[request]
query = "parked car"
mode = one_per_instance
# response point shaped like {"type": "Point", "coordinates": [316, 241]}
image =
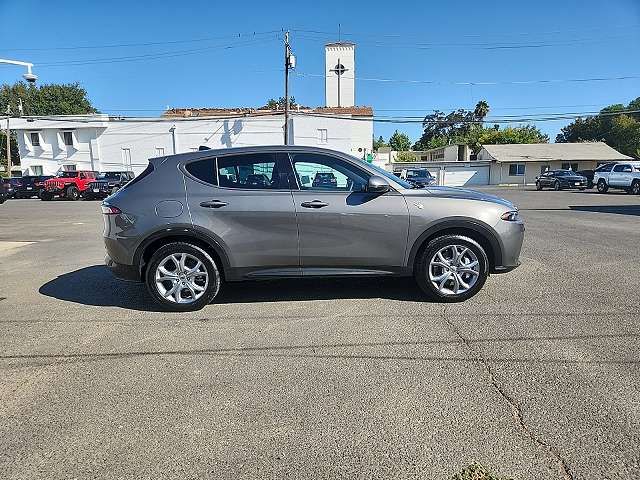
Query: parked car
{"type": "Point", "coordinates": [175, 229]}
{"type": "Point", "coordinates": [325, 179]}
{"type": "Point", "coordinates": [560, 179]}
{"type": "Point", "coordinates": [588, 174]}
{"type": "Point", "coordinates": [10, 185]}
{"type": "Point", "coordinates": [106, 183]}
{"type": "Point", "coordinates": [622, 175]}
{"type": "Point", "coordinates": [30, 186]}
{"type": "Point", "coordinates": [68, 184]}
{"type": "Point", "coordinates": [3, 191]}
{"type": "Point", "coordinates": [420, 177]}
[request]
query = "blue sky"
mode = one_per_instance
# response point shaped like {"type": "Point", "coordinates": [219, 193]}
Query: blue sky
{"type": "Point", "coordinates": [207, 53]}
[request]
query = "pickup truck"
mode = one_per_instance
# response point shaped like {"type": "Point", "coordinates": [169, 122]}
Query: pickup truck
{"type": "Point", "coordinates": [622, 175]}
{"type": "Point", "coordinates": [67, 184]}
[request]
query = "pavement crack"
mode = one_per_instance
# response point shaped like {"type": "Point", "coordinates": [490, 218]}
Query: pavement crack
{"type": "Point", "coordinates": [516, 410]}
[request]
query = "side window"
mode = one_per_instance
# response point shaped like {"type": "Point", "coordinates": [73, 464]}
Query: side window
{"type": "Point", "coordinates": [204, 170]}
{"type": "Point", "coordinates": [257, 171]}
{"type": "Point", "coordinates": [621, 168]}
{"type": "Point", "coordinates": [326, 173]}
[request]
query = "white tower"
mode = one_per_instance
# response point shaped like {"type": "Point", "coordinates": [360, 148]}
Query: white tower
{"type": "Point", "coordinates": [340, 71]}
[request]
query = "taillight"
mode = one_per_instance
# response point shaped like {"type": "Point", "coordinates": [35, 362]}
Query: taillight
{"type": "Point", "coordinates": [110, 209]}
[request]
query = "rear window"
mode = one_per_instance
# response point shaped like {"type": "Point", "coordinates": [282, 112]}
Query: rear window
{"type": "Point", "coordinates": [204, 170]}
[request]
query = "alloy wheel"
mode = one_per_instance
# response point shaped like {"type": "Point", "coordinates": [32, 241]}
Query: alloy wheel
{"type": "Point", "coordinates": [181, 278]}
{"type": "Point", "coordinates": [454, 270]}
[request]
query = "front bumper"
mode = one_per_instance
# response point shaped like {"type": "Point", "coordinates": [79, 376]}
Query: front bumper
{"type": "Point", "coordinates": [123, 272]}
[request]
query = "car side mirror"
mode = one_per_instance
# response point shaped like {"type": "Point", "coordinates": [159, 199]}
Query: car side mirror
{"type": "Point", "coordinates": [377, 184]}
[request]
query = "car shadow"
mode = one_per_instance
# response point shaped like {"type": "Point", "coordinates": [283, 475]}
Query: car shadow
{"type": "Point", "coordinates": [617, 209]}
{"type": "Point", "coordinates": [96, 286]}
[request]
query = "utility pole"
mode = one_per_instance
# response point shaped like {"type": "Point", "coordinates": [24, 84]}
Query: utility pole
{"type": "Point", "coordinates": [289, 64]}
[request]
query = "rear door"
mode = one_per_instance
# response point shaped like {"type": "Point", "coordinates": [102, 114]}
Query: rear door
{"type": "Point", "coordinates": [245, 202]}
{"type": "Point", "coordinates": [340, 226]}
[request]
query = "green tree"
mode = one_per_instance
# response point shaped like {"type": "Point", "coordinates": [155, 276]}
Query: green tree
{"type": "Point", "coordinates": [481, 110]}
{"type": "Point", "coordinates": [617, 125]}
{"type": "Point", "coordinates": [379, 143]}
{"type": "Point", "coordinates": [399, 142]}
{"type": "Point", "coordinates": [404, 156]}
{"type": "Point", "coordinates": [273, 104]}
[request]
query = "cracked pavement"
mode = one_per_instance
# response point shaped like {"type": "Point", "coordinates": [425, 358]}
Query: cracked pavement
{"type": "Point", "coordinates": [324, 379]}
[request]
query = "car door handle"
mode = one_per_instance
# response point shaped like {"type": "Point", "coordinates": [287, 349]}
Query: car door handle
{"type": "Point", "coordinates": [213, 204]}
{"type": "Point", "coordinates": [314, 204]}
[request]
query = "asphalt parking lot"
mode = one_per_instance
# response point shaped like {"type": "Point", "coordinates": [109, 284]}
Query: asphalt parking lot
{"type": "Point", "coordinates": [538, 376]}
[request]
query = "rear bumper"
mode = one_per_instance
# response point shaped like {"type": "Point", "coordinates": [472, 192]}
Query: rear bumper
{"type": "Point", "coordinates": [123, 272]}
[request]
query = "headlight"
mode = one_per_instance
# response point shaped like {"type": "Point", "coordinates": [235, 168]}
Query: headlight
{"type": "Point", "coordinates": [511, 216]}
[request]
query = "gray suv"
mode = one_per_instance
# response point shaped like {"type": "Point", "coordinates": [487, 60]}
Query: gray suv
{"type": "Point", "coordinates": [193, 220]}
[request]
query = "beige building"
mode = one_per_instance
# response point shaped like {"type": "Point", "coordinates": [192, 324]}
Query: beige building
{"type": "Point", "coordinates": [522, 163]}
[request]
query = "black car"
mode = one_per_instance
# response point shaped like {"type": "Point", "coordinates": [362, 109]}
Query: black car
{"type": "Point", "coordinates": [588, 174]}
{"type": "Point", "coordinates": [10, 185]}
{"type": "Point", "coordinates": [420, 177]}
{"type": "Point", "coordinates": [325, 179]}
{"type": "Point", "coordinates": [3, 191]}
{"type": "Point", "coordinates": [29, 186]}
{"type": "Point", "coordinates": [107, 183]}
{"type": "Point", "coordinates": [560, 179]}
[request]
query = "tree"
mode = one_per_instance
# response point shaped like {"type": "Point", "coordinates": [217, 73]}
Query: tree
{"type": "Point", "coordinates": [617, 129]}
{"type": "Point", "coordinates": [481, 110]}
{"type": "Point", "coordinates": [379, 143]}
{"type": "Point", "coordinates": [399, 142]}
{"type": "Point", "coordinates": [273, 104]}
{"type": "Point", "coordinates": [406, 157]}
{"type": "Point", "coordinates": [48, 99]}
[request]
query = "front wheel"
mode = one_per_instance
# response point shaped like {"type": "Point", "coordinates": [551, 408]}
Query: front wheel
{"type": "Point", "coordinates": [452, 268]}
{"type": "Point", "coordinates": [72, 193]}
{"type": "Point", "coordinates": [46, 196]}
{"type": "Point", "coordinates": [556, 185]}
{"type": "Point", "coordinates": [602, 186]}
{"type": "Point", "coordinates": [538, 186]}
{"type": "Point", "coordinates": [182, 277]}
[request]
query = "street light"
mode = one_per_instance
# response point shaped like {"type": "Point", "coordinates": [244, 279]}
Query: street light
{"type": "Point", "coordinates": [31, 78]}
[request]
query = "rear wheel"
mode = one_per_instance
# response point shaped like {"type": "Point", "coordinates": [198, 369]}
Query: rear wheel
{"type": "Point", "coordinates": [451, 268]}
{"type": "Point", "coordinates": [182, 277]}
{"type": "Point", "coordinates": [72, 193]}
{"type": "Point", "coordinates": [635, 187]}
{"type": "Point", "coordinates": [602, 186]}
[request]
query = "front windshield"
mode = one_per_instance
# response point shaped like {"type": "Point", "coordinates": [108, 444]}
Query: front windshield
{"type": "Point", "coordinates": [422, 173]}
{"type": "Point", "coordinates": [564, 173]}
{"type": "Point", "coordinates": [109, 176]}
{"type": "Point", "coordinates": [67, 174]}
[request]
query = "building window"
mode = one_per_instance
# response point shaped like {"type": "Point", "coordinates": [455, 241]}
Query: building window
{"type": "Point", "coordinates": [159, 151]}
{"type": "Point", "coordinates": [437, 155]}
{"type": "Point", "coordinates": [35, 139]}
{"type": "Point", "coordinates": [36, 169]}
{"type": "Point", "coordinates": [69, 168]}
{"type": "Point", "coordinates": [516, 169]}
{"type": "Point", "coordinates": [322, 136]}
{"type": "Point", "coordinates": [544, 168]}
{"type": "Point", "coordinates": [570, 166]}
{"type": "Point", "coordinates": [68, 138]}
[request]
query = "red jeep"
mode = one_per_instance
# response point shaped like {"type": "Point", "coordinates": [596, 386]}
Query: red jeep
{"type": "Point", "coordinates": [68, 184]}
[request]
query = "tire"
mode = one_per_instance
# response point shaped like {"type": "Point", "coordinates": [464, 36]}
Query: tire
{"type": "Point", "coordinates": [602, 186]}
{"type": "Point", "coordinates": [556, 186]}
{"type": "Point", "coordinates": [635, 187]}
{"type": "Point", "coordinates": [194, 255]}
{"type": "Point", "coordinates": [72, 193]}
{"type": "Point", "coordinates": [538, 186]}
{"type": "Point", "coordinates": [46, 196]}
{"type": "Point", "coordinates": [426, 272]}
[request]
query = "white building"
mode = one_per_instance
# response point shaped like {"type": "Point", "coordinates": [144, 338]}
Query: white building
{"type": "Point", "coordinates": [108, 143]}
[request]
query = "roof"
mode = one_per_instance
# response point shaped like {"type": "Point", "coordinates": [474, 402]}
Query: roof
{"type": "Point", "coordinates": [545, 152]}
{"type": "Point", "coordinates": [340, 44]}
{"type": "Point", "coordinates": [243, 111]}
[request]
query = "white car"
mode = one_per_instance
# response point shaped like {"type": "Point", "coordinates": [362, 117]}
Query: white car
{"type": "Point", "coordinates": [622, 175]}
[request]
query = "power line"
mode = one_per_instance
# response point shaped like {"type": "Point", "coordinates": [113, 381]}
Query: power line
{"type": "Point", "coordinates": [152, 56]}
{"type": "Point", "coordinates": [479, 83]}
{"type": "Point", "coordinates": [144, 44]}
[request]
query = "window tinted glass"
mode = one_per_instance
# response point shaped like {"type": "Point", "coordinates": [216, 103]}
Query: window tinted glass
{"type": "Point", "coordinates": [322, 172]}
{"type": "Point", "coordinates": [204, 170]}
{"type": "Point", "coordinates": [619, 168]}
{"type": "Point", "coordinates": [251, 171]}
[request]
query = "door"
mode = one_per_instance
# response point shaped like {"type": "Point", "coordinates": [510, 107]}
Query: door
{"type": "Point", "coordinates": [619, 175]}
{"type": "Point", "coordinates": [245, 202]}
{"type": "Point", "coordinates": [340, 225]}
{"type": "Point", "coordinates": [458, 176]}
